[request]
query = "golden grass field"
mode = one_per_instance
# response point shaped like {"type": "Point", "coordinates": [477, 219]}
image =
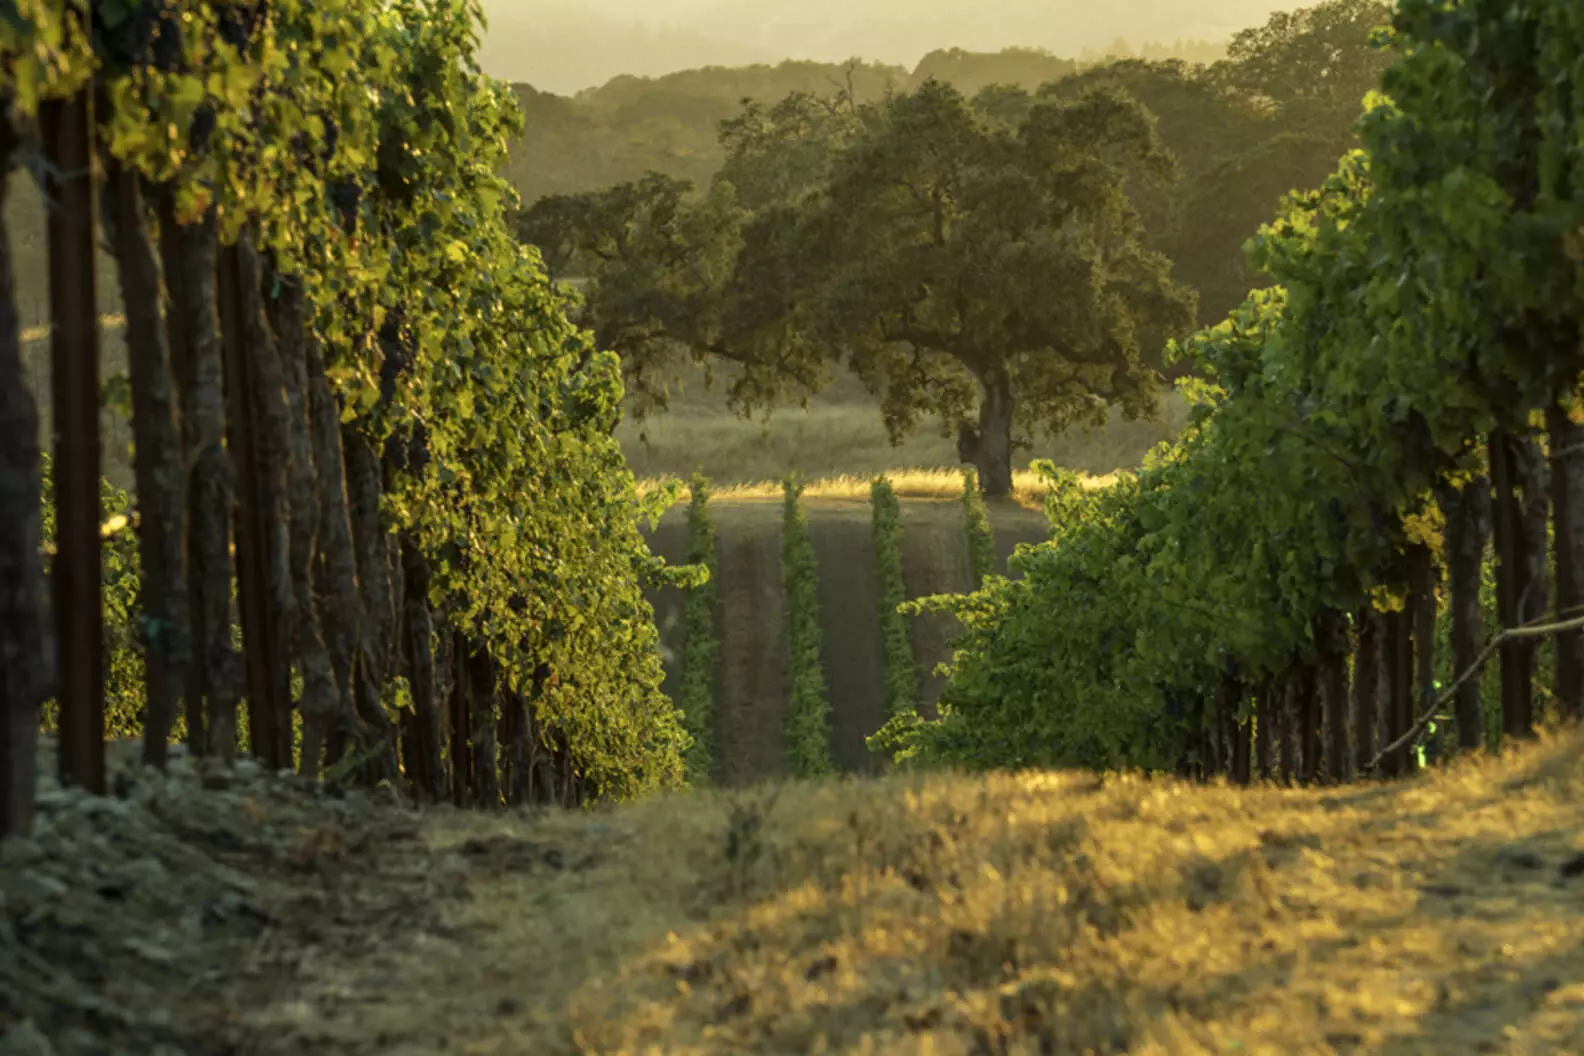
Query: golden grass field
{"type": "Point", "coordinates": [841, 439]}
{"type": "Point", "coordinates": [1028, 488]}
{"type": "Point", "coordinates": [1013, 913]}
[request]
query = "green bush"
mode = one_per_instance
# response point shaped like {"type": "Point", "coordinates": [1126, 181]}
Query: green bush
{"type": "Point", "coordinates": [700, 645]}
{"type": "Point", "coordinates": [902, 675]}
{"type": "Point", "coordinates": [808, 711]}
{"type": "Point", "coordinates": [1047, 671]}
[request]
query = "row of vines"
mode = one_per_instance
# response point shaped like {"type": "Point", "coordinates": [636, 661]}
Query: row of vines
{"type": "Point", "coordinates": [382, 528]}
{"type": "Point", "coordinates": [807, 726]}
{"type": "Point", "coordinates": [1381, 489]}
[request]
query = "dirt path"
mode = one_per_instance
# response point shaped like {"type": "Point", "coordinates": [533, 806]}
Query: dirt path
{"type": "Point", "coordinates": [1055, 913]}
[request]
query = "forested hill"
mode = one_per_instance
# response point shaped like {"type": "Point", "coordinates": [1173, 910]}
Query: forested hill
{"type": "Point", "coordinates": [632, 124]}
{"type": "Point", "coordinates": [566, 46]}
{"type": "Point", "coordinates": [1274, 115]}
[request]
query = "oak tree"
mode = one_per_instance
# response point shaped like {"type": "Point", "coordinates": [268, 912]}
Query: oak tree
{"type": "Point", "coordinates": [981, 261]}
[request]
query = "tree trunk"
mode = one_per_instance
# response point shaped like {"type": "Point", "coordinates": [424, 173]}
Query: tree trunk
{"type": "Point", "coordinates": [1242, 751]}
{"type": "Point", "coordinates": [370, 544]}
{"type": "Point", "coordinates": [1214, 751]}
{"type": "Point", "coordinates": [483, 680]}
{"type": "Point", "coordinates": [1398, 666]}
{"type": "Point", "coordinates": [460, 700]}
{"type": "Point", "coordinates": [1309, 718]}
{"type": "Point", "coordinates": [421, 674]}
{"type": "Point", "coordinates": [994, 447]}
{"type": "Point", "coordinates": [1533, 476]}
{"type": "Point", "coordinates": [320, 695]}
{"type": "Point", "coordinates": [506, 736]}
{"type": "Point", "coordinates": [1366, 685]}
{"type": "Point", "coordinates": [268, 673]}
{"type": "Point", "coordinates": [1287, 724]}
{"type": "Point", "coordinates": [26, 648]}
{"type": "Point", "coordinates": [273, 450]}
{"type": "Point", "coordinates": [191, 260]}
{"type": "Point", "coordinates": [1517, 656]}
{"type": "Point", "coordinates": [179, 343]}
{"type": "Point", "coordinates": [341, 607]}
{"type": "Point", "coordinates": [160, 464]}
{"type": "Point", "coordinates": [1233, 693]}
{"type": "Point", "coordinates": [1423, 616]}
{"type": "Point", "coordinates": [68, 134]}
{"type": "Point", "coordinates": [1566, 441]}
{"type": "Point", "coordinates": [1265, 729]}
{"type": "Point", "coordinates": [517, 735]}
{"type": "Point", "coordinates": [1467, 513]}
{"type": "Point", "coordinates": [1333, 691]}
{"type": "Point", "coordinates": [543, 779]}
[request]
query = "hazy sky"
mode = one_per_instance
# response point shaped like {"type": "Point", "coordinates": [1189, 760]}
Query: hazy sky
{"type": "Point", "coordinates": [567, 45]}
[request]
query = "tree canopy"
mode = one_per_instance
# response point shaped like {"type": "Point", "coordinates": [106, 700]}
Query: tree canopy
{"type": "Point", "coordinates": [979, 261]}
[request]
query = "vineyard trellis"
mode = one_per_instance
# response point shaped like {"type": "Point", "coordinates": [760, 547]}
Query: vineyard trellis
{"type": "Point", "coordinates": [1273, 584]}
{"type": "Point", "coordinates": [366, 435]}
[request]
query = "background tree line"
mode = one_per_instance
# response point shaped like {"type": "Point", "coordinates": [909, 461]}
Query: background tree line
{"type": "Point", "coordinates": [1000, 258]}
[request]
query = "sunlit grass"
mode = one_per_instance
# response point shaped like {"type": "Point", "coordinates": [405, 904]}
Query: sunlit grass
{"type": "Point", "coordinates": [1028, 487]}
{"type": "Point", "coordinates": [841, 434]}
{"type": "Point", "coordinates": [1054, 912]}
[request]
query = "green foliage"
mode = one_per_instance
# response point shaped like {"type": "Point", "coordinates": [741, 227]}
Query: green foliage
{"type": "Point", "coordinates": [1311, 66]}
{"type": "Point", "coordinates": [652, 260]}
{"type": "Point", "coordinates": [807, 723]}
{"type": "Point", "coordinates": [921, 258]}
{"type": "Point", "coordinates": [1046, 673]}
{"type": "Point", "coordinates": [44, 53]}
{"type": "Point", "coordinates": [700, 643]}
{"type": "Point", "coordinates": [917, 238]}
{"type": "Point", "coordinates": [902, 674]}
{"type": "Point", "coordinates": [358, 145]}
{"type": "Point", "coordinates": [121, 569]}
{"type": "Point", "coordinates": [1333, 405]}
{"type": "Point", "coordinates": [981, 534]}
{"type": "Point", "coordinates": [1271, 116]}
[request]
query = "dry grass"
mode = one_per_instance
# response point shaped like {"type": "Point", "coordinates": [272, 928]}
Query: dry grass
{"type": "Point", "coordinates": [1028, 488]}
{"type": "Point", "coordinates": [841, 434]}
{"type": "Point", "coordinates": [108, 324]}
{"type": "Point", "coordinates": [1043, 912]}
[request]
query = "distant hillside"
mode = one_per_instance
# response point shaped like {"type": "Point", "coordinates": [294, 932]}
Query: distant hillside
{"type": "Point", "coordinates": [631, 124]}
{"type": "Point", "coordinates": [565, 46]}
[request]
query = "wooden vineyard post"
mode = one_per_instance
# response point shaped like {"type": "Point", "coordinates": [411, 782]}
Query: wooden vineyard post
{"type": "Point", "coordinates": [25, 650]}
{"type": "Point", "coordinates": [68, 135]}
{"type": "Point", "coordinates": [262, 653]}
{"type": "Point", "coordinates": [1507, 530]}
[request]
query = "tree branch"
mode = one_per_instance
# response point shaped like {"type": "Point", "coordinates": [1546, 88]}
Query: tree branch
{"type": "Point", "coordinates": [1532, 630]}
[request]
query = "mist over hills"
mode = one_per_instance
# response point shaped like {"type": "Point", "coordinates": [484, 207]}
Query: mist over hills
{"type": "Point", "coordinates": [566, 46]}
